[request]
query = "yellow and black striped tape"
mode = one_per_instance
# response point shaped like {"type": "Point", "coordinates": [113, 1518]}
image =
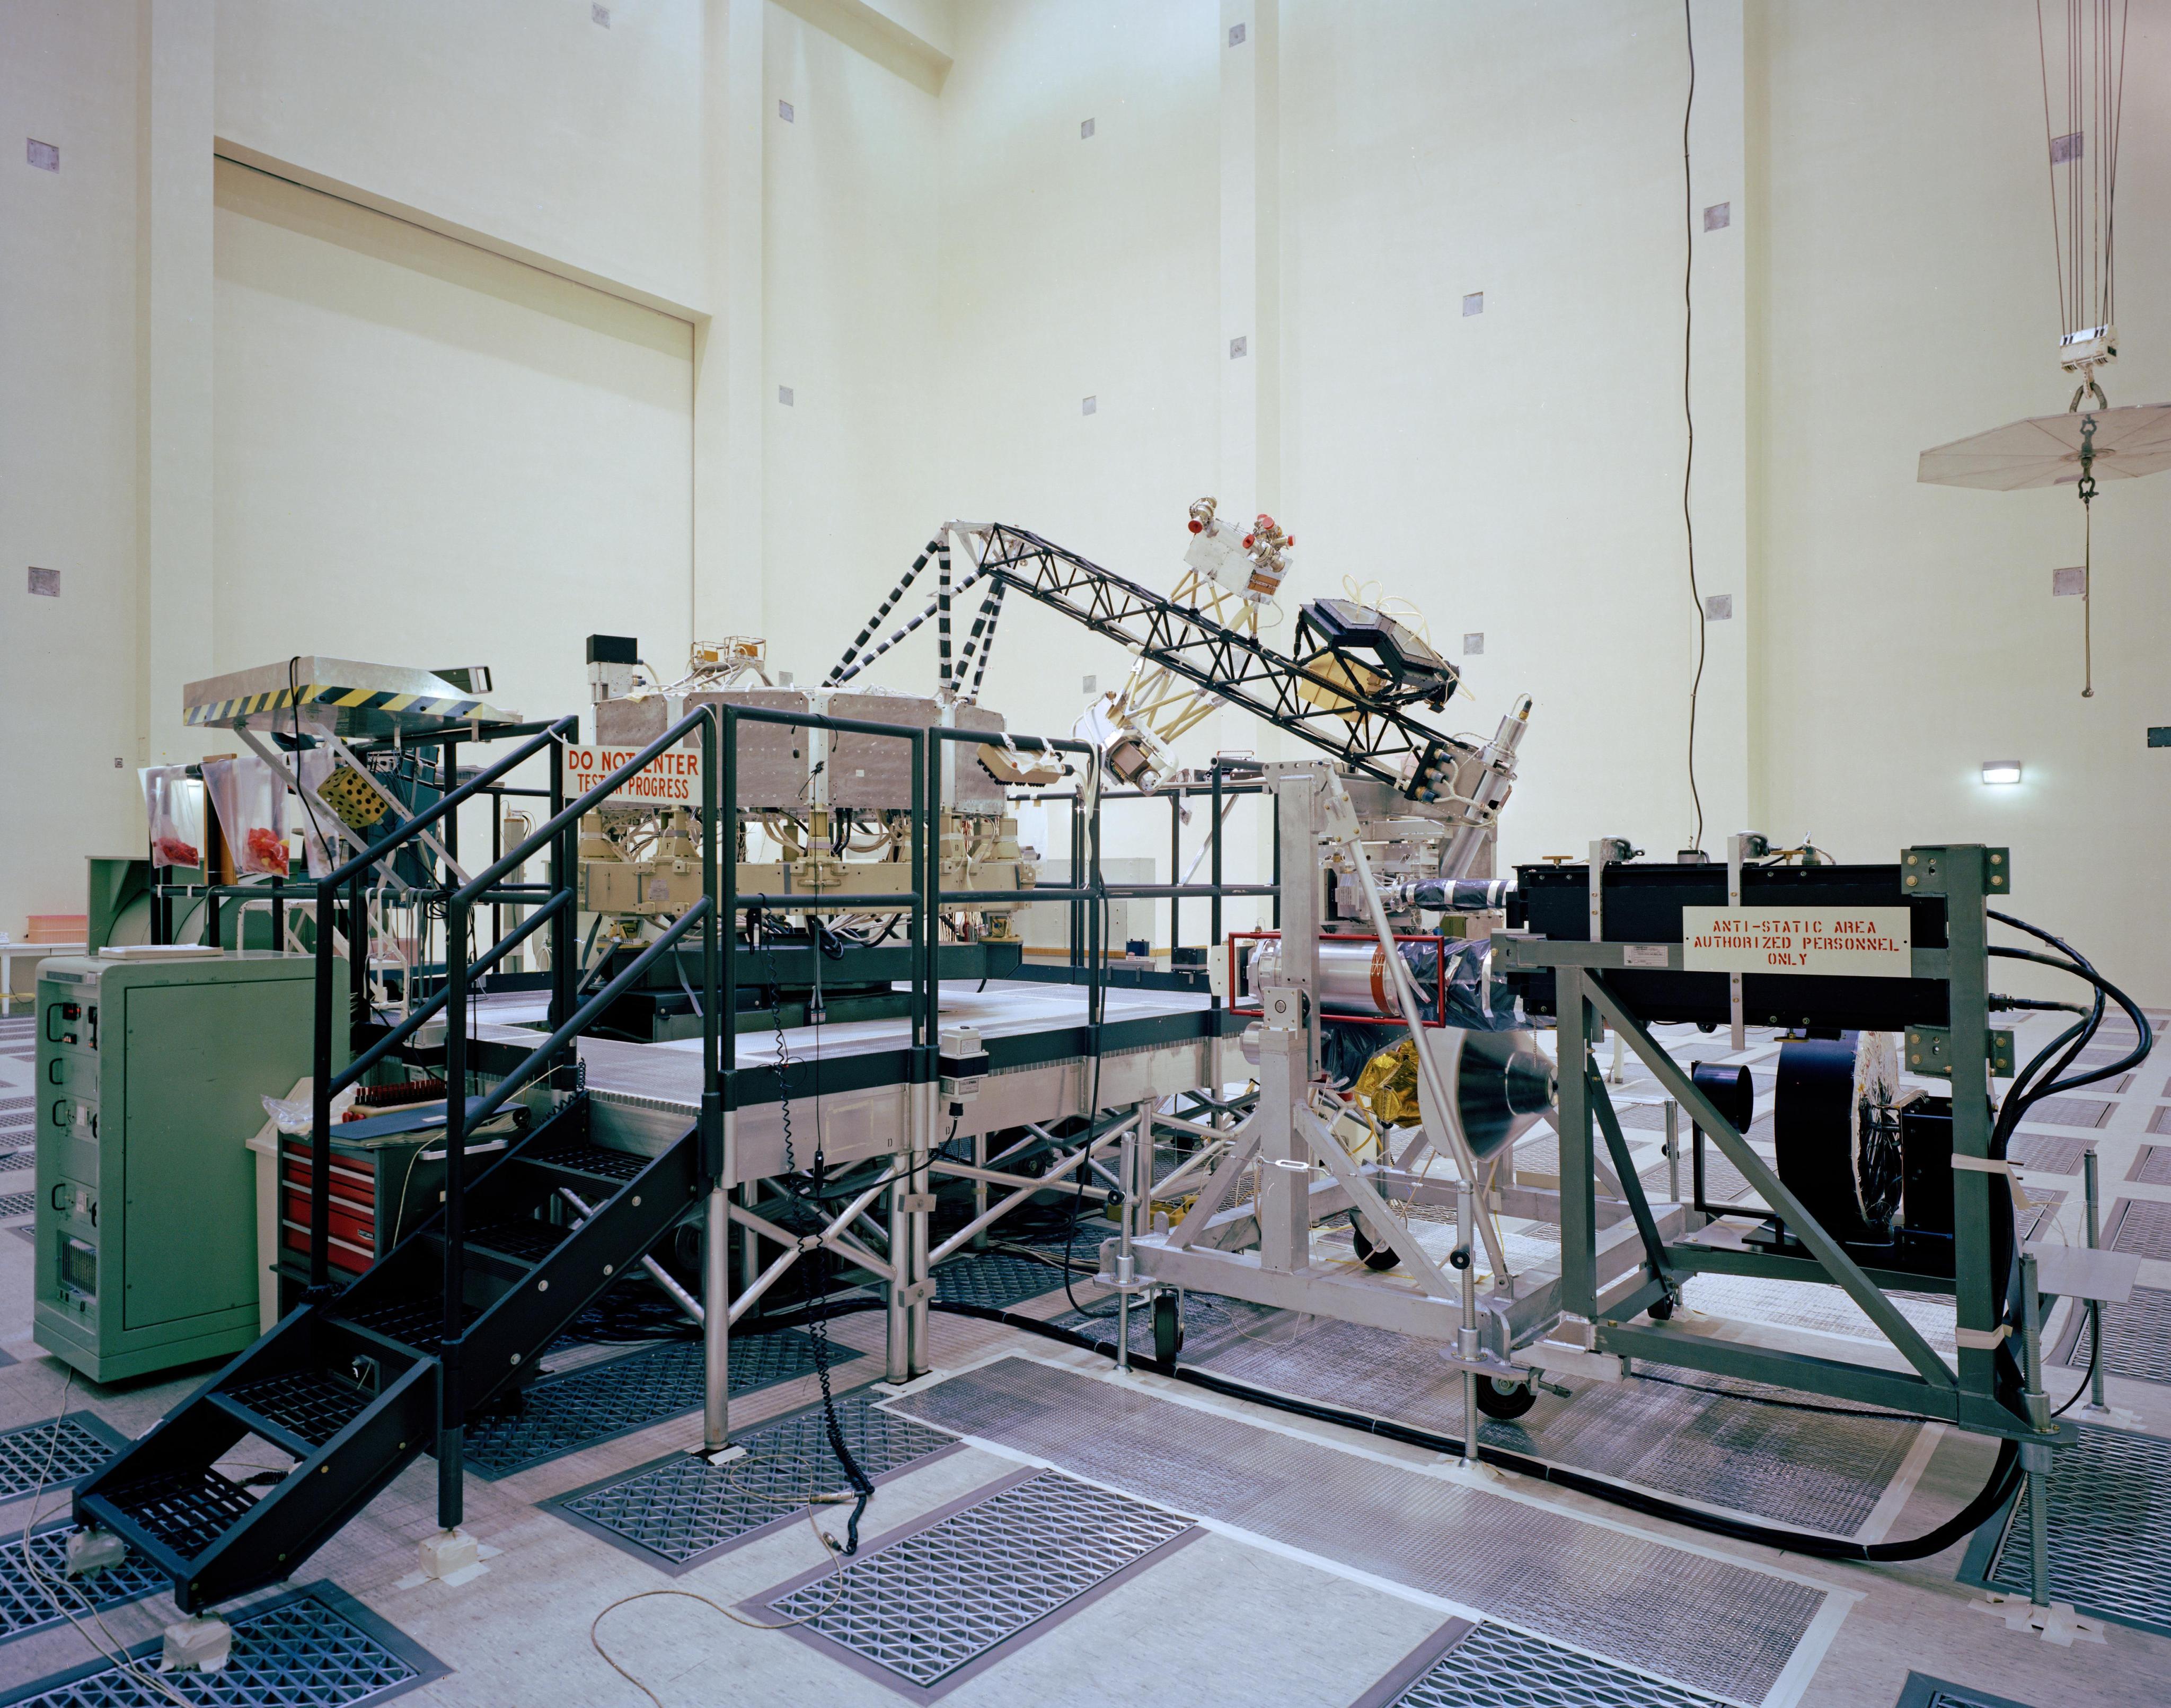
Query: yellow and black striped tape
{"type": "Point", "coordinates": [363, 698]}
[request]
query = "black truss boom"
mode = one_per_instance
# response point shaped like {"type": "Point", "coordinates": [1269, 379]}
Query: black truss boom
{"type": "Point", "coordinates": [1365, 735]}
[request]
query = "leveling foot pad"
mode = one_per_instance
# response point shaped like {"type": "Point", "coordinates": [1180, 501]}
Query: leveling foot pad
{"type": "Point", "coordinates": [681, 1511]}
{"type": "Point", "coordinates": [2109, 1532]}
{"type": "Point", "coordinates": [561, 1414]}
{"type": "Point", "coordinates": [315, 1648]}
{"type": "Point", "coordinates": [1681, 1613]}
{"type": "Point", "coordinates": [55, 1452]}
{"type": "Point", "coordinates": [26, 1605]}
{"type": "Point", "coordinates": [955, 1593]}
{"type": "Point", "coordinates": [1463, 1665]}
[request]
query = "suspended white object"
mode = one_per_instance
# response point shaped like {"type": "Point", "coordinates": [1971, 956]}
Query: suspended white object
{"type": "Point", "coordinates": [2045, 450]}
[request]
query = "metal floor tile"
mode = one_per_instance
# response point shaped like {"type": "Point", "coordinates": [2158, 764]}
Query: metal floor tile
{"type": "Point", "coordinates": [995, 1281]}
{"type": "Point", "coordinates": [2110, 1531]}
{"type": "Point", "coordinates": [55, 1452]}
{"type": "Point", "coordinates": [2052, 1153]}
{"type": "Point", "coordinates": [316, 1649]}
{"type": "Point", "coordinates": [600, 1402]}
{"type": "Point", "coordinates": [924, 1607]}
{"type": "Point", "coordinates": [1721, 1447]}
{"type": "Point", "coordinates": [2042, 1210]}
{"type": "Point", "coordinates": [682, 1510]}
{"type": "Point", "coordinates": [2136, 1338]}
{"type": "Point", "coordinates": [1703, 1623]}
{"type": "Point", "coordinates": [1923, 1691]}
{"type": "Point", "coordinates": [1812, 1305]}
{"type": "Point", "coordinates": [26, 1603]}
{"type": "Point", "coordinates": [1210, 1322]}
{"type": "Point", "coordinates": [1490, 1666]}
{"type": "Point", "coordinates": [2142, 1226]}
{"type": "Point", "coordinates": [2070, 1111]}
{"type": "Point", "coordinates": [2153, 1166]}
{"type": "Point", "coordinates": [13, 1204]}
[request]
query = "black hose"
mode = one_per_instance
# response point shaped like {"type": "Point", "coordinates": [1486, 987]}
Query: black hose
{"type": "Point", "coordinates": [2004, 1478]}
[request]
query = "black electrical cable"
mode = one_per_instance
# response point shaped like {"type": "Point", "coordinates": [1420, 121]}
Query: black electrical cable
{"type": "Point", "coordinates": [1688, 410]}
{"type": "Point", "coordinates": [2095, 1351]}
{"type": "Point", "coordinates": [814, 1265]}
{"type": "Point", "coordinates": [1995, 1490]}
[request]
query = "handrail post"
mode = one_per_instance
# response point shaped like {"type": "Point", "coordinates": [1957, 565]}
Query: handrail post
{"type": "Point", "coordinates": [452, 1408]}
{"type": "Point", "coordinates": [1214, 924]}
{"type": "Point", "coordinates": [565, 872]}
{"type": "Point", "coordinates": [908, 1262]}
{"type": "Point", "coordinates": [715, 1255]}
{"type": "Point", "coordinates": [320, 1104]}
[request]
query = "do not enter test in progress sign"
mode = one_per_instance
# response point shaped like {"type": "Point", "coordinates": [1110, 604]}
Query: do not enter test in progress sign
{"type": "Point", "coordinates": [672, 779]}
{"type": "Point", "coordinates": [1864, 941]}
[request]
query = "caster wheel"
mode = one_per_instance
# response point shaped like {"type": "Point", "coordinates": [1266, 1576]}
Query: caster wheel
{"type": "Point", "coordinates": [1505, 1400]}
{"type": "Point", "coordinates": [1662, 1310]}
{"type": "Point", "coordinates": [1167, 1328]}
{"type": "Point", "coordinates": [1374, 1257]}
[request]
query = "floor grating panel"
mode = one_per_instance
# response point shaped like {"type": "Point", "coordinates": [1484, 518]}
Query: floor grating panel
{"type": "Point", "coordinates": [682, 1510]}
{"type": "Point", "coordinates": [320, 1649]}
{"type": "Point", "coordinates": [2110, 1531]}
{"type": "Point", "coordinates": [1703, 1623]}
{"type": "Point", "coordinates": [1493, 1667]}
{"type": "Point", "coordinates": [995, 1281]}
{"type": "Point", "coordinates": [1812, 1305]}
{"type": "Point", "coordinates": [2142, 1226]}
{"type": "Point", "coordinates": [26, 1601]}
{"type": "Point", "coordinates": [599, 1402]}
{"type": "Point", "coordinates": [1210, 1322]}
{"type": "Point", "coordinates": [54, 1452]}
{"type": "Point", "coordinates": [1923, 1691]}
{"type": "Point", "coordinates": [930, 1603]}
{"type": "Point", "coordinates": [1721, 1447]}
{"type": "Point", "coordinates": [2052, 1154]}
{"type": "Point", "coordinates": [2070, 1111]}
{"type": "Point", "coordinates": [2136, 1338]}
{"type": "Point", "coordinates": [13, 1204]}
{"type": "Point", "coordinates": [2153, 1166]}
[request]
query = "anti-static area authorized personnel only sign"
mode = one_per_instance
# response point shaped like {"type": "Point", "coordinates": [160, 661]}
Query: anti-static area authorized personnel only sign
{"type": "Point", "coordinates": [1871, 941]}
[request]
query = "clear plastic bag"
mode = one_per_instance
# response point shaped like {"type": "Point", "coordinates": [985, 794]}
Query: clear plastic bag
{"type": "Point", "coordinates": [174, 800]}
{"type": "Point", "coordinates": [299, 1115]}
{"type": "Point", "coordinates": [250, 799]}
{"type": "Point", "coordinates": [319, 823]}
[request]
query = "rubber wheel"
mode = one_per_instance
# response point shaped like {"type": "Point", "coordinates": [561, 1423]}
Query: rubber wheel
{"type": "Point", "coordinates": [1167, 1328]}
{"type": "Point", "coordinates": [1662, 1310]}
{"type": "Point", "coordinates": [1505, 1400]}
{"type": "Point", "coordinates": [1375, 1257]}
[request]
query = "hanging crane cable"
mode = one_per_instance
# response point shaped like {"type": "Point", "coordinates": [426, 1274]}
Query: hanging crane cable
{"type": "Point", "coordinates": [2080, 447]}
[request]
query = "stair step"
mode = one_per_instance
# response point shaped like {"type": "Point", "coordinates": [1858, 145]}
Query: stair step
{"type": "Point", "coordinates": [529, 1241]}
{"type": "Point", "coordinates": [417, 1325]}
{"type": "Point", "coordinates": [593, 1162]}
{"type": "Point", "coordinates": [184, 1510]}
{"type": "Point", "coordinates": [307, 1407]}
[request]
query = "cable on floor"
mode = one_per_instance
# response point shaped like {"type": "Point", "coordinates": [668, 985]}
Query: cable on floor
{"type": "Point", "coordinates": [1996, 1490]}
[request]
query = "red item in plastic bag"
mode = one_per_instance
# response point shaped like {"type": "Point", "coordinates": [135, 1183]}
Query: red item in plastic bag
{"type": "Point", "coordinates": [174, 851]}
{"type": "Point", "coordinates": [267, 850]}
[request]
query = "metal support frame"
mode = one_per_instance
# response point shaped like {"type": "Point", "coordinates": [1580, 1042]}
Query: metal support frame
{"type": "Point", "coordinates": [1966, 1391]}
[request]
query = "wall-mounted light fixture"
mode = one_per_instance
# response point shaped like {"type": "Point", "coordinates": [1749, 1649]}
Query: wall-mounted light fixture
{"type": "Point", "coordinates": [2001, 770]}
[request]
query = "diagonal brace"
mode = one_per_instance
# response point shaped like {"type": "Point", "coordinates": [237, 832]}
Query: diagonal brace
{"type": "Point", "coordinates": [1841, 1268]}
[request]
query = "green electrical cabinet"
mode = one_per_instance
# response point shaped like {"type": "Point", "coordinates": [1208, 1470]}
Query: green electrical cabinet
{"type": "Point", "coordinates": [151, 1069]}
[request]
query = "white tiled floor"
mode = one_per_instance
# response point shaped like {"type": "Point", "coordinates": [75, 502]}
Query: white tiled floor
{"type": "Point", "coordinates": [1221, 1621]}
